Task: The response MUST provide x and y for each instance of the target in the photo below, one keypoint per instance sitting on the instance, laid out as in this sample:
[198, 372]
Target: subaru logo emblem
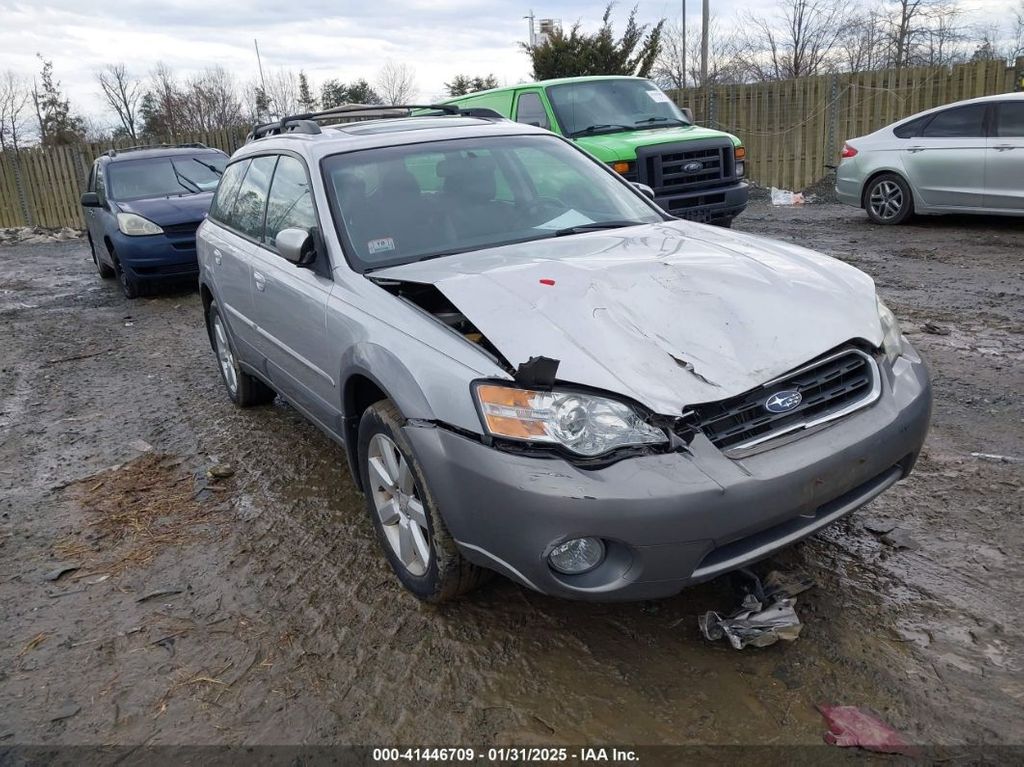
[693, 167]
[783, 401]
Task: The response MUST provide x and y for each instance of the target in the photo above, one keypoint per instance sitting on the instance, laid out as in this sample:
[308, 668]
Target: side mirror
[687, 113]
[645, 190]
[296, 245]
[91, 200]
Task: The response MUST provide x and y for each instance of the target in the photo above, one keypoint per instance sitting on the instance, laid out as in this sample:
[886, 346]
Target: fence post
[26, 211]
[833, 119]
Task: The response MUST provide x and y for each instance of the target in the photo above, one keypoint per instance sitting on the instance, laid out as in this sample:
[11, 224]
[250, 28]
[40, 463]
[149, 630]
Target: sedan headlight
[582, 423]
[134, 225]
[892, 337]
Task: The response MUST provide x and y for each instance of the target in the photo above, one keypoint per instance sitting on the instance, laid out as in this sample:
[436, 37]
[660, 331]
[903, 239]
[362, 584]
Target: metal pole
[533, 35]
[705, 16]
[682, 54]
[259, 63]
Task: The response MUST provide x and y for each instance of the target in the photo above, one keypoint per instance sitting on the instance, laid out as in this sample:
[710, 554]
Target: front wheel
[888, 200]
[105, 271]
[131, 287]
[415, 540]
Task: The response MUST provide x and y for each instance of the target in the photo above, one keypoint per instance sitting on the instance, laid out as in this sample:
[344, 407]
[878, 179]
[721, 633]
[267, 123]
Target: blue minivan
[142, 208]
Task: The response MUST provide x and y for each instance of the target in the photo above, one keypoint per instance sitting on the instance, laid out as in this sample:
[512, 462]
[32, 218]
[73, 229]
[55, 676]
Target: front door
[946, 163]
[1004, 165]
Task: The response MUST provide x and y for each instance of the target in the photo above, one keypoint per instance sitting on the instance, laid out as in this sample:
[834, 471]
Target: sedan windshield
[164, 176]
[592, 107]
[409, 203]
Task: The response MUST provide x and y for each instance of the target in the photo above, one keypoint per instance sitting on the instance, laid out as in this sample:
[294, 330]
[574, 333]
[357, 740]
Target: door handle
[260, 280]
[217, 256]
[1003, 147]
[916, 149]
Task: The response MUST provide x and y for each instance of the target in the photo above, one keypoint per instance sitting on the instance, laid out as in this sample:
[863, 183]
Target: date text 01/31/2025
[503, 754]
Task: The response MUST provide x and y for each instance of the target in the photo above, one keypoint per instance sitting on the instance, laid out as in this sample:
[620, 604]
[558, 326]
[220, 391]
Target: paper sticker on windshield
[382, 245]
[658, 96]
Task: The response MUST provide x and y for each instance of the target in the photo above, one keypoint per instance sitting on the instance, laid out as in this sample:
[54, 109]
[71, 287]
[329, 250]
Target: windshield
[592, 107]
[164, 176]
[408, 203]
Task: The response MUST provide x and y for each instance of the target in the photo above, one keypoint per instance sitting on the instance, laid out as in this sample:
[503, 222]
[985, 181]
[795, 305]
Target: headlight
[585, 424]
[134, 225]
[892, 337]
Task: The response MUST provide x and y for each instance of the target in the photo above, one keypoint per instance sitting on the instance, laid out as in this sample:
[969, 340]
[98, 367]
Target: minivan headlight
[892, 337]
[585, 424]
[134, 225]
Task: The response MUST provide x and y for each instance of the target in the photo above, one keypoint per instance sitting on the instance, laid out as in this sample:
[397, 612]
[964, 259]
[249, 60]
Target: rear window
[910, 128]
[1011, 119]
[959, 122]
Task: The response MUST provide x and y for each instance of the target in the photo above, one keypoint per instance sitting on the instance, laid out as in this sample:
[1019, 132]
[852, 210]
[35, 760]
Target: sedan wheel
[225, 356]
[888, 200]
[402, 515]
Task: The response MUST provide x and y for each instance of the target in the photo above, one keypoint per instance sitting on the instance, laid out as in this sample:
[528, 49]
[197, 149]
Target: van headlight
[134, 225]
[892, 337]
[584, 424]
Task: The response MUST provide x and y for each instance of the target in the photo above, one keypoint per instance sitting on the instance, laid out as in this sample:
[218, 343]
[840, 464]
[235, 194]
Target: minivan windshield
[164, 176]
[399, 204]
[593, 107]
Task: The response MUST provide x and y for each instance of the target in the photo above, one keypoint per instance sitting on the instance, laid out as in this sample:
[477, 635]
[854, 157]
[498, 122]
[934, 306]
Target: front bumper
[171, 255]
[669, 520]
[707, 205]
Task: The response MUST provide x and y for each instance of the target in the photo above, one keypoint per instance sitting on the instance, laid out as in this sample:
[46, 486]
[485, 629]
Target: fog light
[740, 168]
[580, 555]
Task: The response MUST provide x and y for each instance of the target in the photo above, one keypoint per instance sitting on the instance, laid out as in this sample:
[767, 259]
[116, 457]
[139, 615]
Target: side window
[910, 129]
[290, 203]
[1011, 119]
[960, 122]
[247, 211]
[530, 110]
[227, 190]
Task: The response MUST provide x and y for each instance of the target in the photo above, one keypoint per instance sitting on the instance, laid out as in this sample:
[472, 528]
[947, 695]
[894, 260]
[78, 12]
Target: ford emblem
[783, 401]
[693, 167]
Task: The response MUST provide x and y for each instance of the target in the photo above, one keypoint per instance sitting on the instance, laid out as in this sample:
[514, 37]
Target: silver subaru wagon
[534, 370]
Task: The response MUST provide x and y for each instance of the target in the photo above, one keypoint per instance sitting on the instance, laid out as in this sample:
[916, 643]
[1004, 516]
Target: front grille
[829, 388]
[673, 169]
[187, 228]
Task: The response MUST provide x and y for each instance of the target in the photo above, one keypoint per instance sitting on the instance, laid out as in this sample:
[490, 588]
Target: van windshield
[399, 204]
[164, 176]
[593, 107]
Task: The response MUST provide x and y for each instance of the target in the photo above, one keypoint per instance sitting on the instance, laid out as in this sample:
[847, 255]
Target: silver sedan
[966, 157]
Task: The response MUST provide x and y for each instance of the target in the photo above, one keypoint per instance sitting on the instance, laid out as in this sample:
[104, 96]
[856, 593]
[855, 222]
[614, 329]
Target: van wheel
[888, 200]
[105, 271]
[243, 389]
[411, 531]
[131, 287]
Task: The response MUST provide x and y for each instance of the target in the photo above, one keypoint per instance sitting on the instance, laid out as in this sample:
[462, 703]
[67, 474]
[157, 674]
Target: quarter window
[961, 122]
[227, 191]
[250, 206]
[290, 204]
[530, 110]
[1011, 119]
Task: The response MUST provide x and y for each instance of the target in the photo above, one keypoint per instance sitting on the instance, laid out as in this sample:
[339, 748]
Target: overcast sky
[343, 39]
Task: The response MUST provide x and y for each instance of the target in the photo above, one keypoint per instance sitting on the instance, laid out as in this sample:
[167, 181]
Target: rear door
[1004, 165]
[290, 301]
[946, 162]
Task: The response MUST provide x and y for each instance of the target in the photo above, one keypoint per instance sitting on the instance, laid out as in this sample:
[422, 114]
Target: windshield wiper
[214, 168]
[594, 226]
[651, 120]
[184, 181]
[590, 130]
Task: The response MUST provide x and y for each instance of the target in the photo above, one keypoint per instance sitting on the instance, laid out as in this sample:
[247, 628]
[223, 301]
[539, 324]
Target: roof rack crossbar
[114, 151]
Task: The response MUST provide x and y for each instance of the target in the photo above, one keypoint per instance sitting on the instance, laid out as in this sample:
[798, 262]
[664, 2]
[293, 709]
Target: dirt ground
[255, 608]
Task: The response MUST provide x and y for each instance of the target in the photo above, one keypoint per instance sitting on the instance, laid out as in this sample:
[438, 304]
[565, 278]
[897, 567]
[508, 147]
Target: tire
[132, 288]
[725, 223]
[243, 389]
[105, 271]
[888, 200]
[415, 523]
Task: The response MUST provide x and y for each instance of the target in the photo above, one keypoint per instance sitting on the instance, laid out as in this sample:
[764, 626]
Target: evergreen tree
[463, 84]
[307, 102]
[57, 125]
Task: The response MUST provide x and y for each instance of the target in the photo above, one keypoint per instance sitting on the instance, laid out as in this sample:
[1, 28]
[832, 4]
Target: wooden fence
[792, 129]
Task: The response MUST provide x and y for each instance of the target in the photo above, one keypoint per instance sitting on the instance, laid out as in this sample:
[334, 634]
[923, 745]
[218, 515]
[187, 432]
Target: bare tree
[1016, 47]
[282, 92]
[122, 92]
[14, 98]
[209, 101]
[161, 106]
[799, 41]
[721, 64]
[396, 83]
[863, 44]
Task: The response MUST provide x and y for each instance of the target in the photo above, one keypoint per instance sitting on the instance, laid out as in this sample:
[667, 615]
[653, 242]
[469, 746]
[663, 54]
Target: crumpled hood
[671, 314]
[171, 211]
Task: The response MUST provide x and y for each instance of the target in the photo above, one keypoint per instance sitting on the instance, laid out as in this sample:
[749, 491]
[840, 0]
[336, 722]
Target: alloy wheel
[399, 505]
[886, 200]
[225, 356]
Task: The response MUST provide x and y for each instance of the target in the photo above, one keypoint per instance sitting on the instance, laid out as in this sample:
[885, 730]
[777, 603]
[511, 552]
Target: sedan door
[290, 301]
[946, 163]
[1004, 165]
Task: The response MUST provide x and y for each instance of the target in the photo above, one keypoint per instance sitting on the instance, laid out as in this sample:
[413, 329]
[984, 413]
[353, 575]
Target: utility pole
[533, 34]
[682, 53]
[259, 63]
[705, 15]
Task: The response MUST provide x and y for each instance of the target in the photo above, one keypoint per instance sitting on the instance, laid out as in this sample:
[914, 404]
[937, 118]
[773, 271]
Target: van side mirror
[91, 200]
[687, 113]
[296, 245]
[645, 190]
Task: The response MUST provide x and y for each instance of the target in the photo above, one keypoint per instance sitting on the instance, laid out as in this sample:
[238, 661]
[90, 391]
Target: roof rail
[309, 122]
[115, 151]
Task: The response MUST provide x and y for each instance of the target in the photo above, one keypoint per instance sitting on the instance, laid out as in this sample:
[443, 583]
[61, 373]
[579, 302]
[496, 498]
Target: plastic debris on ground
[765, 615]
[849, 726]
[786, 197]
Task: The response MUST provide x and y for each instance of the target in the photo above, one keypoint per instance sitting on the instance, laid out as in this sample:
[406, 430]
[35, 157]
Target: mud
[152, 603]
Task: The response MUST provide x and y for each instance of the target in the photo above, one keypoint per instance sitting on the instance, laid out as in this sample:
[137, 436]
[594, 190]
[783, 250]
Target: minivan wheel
[131, 288]
[105, 271]
[888, 200]
[243, 389]
[411, 531]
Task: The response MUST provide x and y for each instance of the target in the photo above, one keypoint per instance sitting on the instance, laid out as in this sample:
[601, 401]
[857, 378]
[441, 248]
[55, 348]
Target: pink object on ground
[851, 726]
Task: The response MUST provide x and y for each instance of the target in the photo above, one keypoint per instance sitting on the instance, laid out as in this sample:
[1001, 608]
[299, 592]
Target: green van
[628, 122]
